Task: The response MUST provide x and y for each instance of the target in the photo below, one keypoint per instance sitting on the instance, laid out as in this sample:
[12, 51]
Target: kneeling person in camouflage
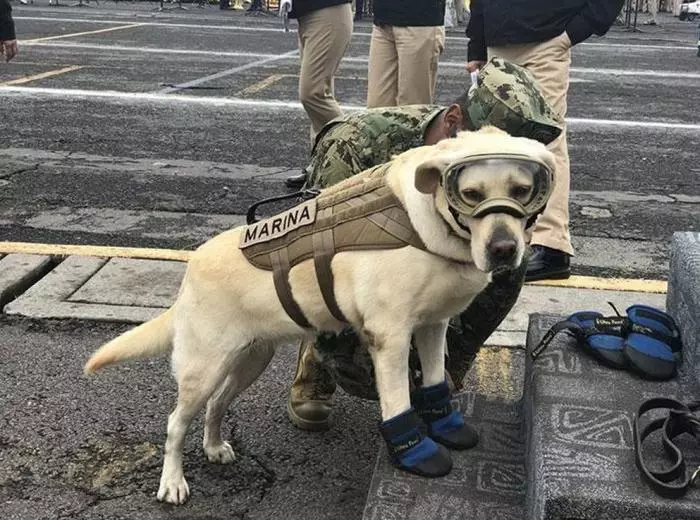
[506, 96]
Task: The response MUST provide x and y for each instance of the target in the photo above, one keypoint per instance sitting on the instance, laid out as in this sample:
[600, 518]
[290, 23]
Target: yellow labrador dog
[469, 199]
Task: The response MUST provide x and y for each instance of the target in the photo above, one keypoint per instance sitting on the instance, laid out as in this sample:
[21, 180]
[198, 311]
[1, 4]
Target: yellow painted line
[102, 251]
[49, 74]
[271, 80]
[608, 284]
[575, 282]
[97, 31]
[261, 85]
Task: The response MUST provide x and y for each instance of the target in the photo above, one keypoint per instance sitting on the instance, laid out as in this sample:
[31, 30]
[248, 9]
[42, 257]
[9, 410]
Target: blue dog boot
[410, 450]
[653, 345]
[445, 425]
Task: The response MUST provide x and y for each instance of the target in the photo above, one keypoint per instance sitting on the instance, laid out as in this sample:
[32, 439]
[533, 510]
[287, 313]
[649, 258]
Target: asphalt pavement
[121, 125]
[101, 89]
[91, 448]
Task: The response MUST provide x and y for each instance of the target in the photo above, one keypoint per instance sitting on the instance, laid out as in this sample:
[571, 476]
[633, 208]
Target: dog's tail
[150, 338]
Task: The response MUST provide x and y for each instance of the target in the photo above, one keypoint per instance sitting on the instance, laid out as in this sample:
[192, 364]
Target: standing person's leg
[382, 74]
[653, 6]
[324, 36]
[549, 62]
[418, 49]
[359, 9]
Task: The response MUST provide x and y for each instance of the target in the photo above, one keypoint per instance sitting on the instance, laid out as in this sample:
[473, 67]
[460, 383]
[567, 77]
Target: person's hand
[285, 6]
[8, 48]
[475, 65]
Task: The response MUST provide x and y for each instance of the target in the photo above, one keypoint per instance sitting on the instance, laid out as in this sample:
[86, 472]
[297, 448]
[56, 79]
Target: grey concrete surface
[134, 290]
[18, 272]
[579, 424]
[683, 302]
[91, 448]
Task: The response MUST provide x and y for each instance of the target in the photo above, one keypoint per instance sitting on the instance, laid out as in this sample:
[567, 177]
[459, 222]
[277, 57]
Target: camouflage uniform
[505, 96]
[354, 143]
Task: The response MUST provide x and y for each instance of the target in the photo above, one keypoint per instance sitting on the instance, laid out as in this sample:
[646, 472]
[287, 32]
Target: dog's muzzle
[538, 174]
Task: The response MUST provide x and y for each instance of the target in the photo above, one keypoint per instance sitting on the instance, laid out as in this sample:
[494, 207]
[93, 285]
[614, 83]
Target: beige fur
[227, 318]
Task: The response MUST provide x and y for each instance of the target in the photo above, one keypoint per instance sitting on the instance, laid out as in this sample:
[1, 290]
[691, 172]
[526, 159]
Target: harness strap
[679, 420]
[324, 250]
[280, 275]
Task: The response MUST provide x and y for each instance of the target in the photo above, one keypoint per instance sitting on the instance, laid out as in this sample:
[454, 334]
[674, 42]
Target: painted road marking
[73, 35]
[349, 59]
[605, 46]
[262, 84]
[274, 78]
[227, 72]
[578, 282]
[279, 105]
[49, 74]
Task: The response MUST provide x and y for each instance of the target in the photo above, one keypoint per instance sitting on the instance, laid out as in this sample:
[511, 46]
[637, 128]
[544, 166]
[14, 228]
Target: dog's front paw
[173, 490]
[222, 453]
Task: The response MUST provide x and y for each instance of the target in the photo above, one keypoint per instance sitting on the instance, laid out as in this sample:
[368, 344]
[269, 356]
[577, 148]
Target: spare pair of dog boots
[646, 341]
[417, 439]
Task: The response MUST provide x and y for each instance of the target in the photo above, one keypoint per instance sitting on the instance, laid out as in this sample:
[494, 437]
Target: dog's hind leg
[244, 370]
[199, 373]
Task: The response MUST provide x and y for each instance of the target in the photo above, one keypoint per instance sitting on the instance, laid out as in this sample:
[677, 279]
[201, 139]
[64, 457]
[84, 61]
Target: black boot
[446, 426]
[547, 263]
[410, 450]
[296, 181]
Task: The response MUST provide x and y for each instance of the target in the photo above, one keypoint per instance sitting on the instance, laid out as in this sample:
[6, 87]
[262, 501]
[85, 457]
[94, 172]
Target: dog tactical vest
[361, 214]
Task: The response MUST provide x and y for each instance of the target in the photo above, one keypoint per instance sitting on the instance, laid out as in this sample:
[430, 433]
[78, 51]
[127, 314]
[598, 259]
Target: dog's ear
[428, 175]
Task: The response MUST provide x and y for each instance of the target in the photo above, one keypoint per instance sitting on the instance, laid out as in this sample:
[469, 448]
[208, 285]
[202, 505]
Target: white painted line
[282, 105]
[85, 33]
[462, 39]
[147, 50]
[292, 55]
[227, 72]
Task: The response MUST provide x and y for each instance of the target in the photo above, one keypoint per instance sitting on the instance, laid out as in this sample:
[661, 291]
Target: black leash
[302, 195]
[674, 481]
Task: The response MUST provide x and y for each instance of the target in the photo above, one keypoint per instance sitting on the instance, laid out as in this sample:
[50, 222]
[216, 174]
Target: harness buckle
[695, 478]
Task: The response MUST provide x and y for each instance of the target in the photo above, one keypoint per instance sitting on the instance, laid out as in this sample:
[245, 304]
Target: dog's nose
[502, 250]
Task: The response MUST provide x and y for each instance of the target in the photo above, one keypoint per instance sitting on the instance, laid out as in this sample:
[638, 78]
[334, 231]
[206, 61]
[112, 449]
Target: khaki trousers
[324, 36]
[403, 63]
[549, 62]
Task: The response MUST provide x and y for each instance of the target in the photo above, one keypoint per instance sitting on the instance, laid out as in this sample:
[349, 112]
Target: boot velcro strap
[436, 411]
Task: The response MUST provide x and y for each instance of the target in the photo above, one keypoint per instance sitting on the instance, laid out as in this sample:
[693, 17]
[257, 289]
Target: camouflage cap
[508, 97]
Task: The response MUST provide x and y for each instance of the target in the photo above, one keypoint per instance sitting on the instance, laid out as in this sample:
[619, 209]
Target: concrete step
[579, 424]
[487, 482]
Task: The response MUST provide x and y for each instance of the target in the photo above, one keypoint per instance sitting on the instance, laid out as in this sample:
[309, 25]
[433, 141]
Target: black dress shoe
[296, 181]
[547, 264]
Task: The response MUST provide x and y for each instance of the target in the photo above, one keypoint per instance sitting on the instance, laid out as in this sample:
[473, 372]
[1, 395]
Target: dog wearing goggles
[469, 199]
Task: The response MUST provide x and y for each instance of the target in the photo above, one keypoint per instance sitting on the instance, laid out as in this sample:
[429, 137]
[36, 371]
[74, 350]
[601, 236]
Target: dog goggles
[531, 185]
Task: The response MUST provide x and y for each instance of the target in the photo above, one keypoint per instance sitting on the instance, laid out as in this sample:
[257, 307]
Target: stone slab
[134, 290]
[134, 283]
[579, 420]
[18, 271]
[683, 302]
[48, 298]
[486, 482]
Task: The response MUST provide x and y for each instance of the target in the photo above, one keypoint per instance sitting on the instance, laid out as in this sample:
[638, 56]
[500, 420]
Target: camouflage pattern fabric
[349, 145]
[508, 96]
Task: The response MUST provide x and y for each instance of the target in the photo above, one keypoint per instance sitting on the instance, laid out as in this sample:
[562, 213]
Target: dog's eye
[472, 196]
[520, 192]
